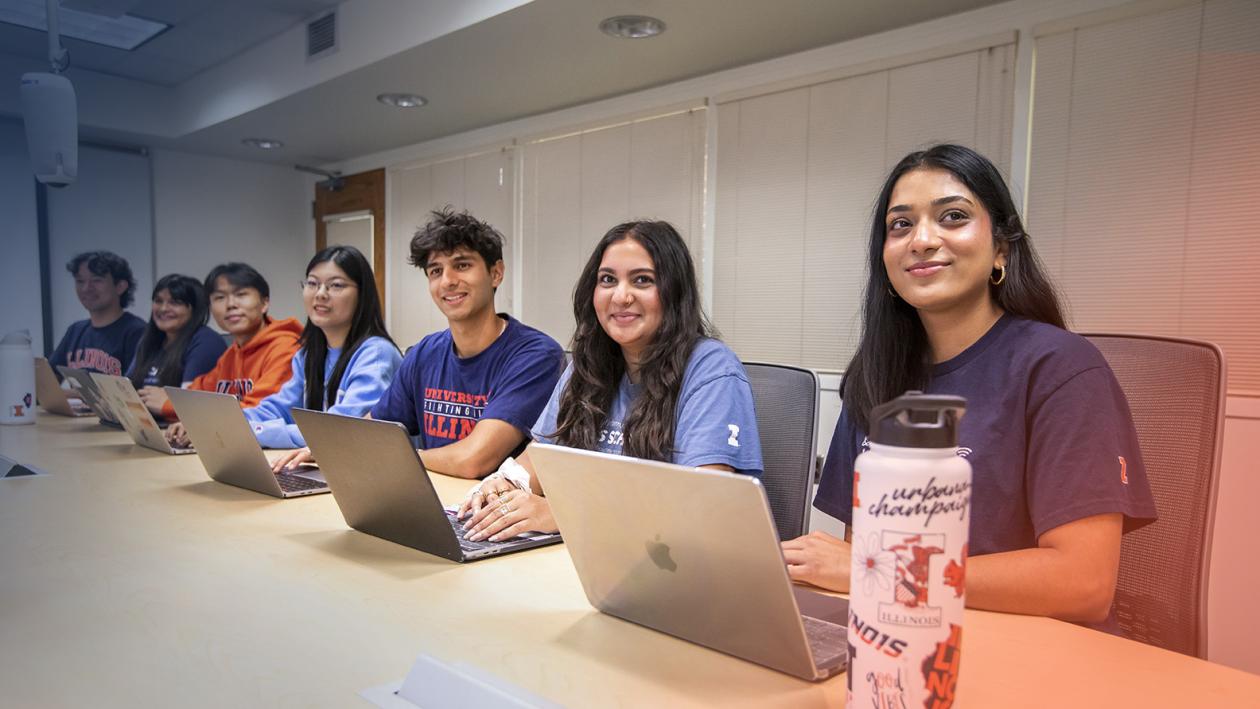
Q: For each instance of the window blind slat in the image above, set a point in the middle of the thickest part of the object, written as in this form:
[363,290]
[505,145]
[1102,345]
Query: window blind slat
[579,186]
[1141,157]
[1221,290]
[797,176]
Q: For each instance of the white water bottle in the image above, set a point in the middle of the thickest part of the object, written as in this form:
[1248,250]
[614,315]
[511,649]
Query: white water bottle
[17,379]
[911,508]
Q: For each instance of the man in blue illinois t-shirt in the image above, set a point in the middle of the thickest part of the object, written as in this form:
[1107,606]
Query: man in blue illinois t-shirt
[107,340]
[470,392]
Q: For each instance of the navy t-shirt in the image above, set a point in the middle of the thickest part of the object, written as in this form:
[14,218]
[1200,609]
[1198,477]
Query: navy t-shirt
[1047,432]
[107,350]
[440,397]
[200,355]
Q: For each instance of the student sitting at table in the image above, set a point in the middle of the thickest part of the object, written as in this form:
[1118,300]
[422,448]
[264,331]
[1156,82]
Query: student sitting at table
[957,303]
[647,380]
[107,340]
[259,360]
[470,392]
[347,358]
[176,347]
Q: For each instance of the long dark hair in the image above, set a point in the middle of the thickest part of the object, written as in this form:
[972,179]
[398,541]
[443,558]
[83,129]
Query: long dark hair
[893,355]
[598,364]
[153,350]
[367,322]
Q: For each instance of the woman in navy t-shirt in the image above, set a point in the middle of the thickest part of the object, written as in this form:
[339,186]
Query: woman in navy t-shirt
[647,379]
[176,346]
[957,303]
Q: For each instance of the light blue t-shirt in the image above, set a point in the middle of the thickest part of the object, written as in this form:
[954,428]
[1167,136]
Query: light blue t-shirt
[367,375]
[714,422]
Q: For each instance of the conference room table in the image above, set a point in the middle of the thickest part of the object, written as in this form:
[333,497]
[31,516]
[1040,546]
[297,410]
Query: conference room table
[128,578]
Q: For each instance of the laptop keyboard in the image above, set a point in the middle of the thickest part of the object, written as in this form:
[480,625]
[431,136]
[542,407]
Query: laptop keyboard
[828,642]
[297,483]
[458,525]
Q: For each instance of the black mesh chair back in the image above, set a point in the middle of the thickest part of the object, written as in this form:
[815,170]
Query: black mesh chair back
[787,419]
[1176,392]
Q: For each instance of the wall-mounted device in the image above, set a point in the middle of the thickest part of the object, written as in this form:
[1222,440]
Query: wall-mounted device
[50,112]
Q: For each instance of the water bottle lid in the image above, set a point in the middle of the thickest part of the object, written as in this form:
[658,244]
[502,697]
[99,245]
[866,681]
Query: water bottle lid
[918,420]
[17,337]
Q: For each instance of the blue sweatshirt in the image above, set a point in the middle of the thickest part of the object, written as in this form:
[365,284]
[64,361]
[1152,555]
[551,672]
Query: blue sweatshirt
[367,376]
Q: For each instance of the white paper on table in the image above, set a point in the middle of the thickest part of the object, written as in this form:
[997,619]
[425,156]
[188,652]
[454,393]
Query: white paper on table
[433,684]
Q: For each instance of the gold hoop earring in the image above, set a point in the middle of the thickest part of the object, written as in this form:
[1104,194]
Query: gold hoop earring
[1000,279]
[891,292]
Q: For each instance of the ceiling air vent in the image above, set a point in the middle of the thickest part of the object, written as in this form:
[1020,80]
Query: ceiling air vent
[321,35]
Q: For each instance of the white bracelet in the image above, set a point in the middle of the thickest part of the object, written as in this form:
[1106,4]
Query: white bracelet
[514,473]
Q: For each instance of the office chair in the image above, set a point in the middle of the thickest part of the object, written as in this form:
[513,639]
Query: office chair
[1176,393]
[786,399]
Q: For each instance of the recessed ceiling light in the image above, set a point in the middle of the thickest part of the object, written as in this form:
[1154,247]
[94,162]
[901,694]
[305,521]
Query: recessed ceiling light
[402,100]
[263,143]
[632,26]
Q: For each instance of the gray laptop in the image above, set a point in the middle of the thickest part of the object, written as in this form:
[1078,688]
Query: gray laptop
[135,417]
[692,553]
[230,452]
[82,383]
[383,489]
[52,397]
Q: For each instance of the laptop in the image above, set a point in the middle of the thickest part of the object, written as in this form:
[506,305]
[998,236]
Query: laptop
[136,420]
[82,383]
[52,397]
[230,452]
[383,489]
[692,553]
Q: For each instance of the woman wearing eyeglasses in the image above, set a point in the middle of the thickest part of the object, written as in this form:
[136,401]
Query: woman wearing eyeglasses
[347,358]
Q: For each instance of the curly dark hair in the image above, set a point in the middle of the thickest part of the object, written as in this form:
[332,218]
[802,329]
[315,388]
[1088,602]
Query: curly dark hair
[107,263]
[598,363]
[449,230]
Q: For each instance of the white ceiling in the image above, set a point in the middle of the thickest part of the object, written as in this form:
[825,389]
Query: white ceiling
[203,34]
[479,62]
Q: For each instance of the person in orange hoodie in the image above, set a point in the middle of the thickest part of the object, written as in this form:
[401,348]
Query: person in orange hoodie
[259,361]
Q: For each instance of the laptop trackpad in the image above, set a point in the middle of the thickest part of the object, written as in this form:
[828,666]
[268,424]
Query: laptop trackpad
[832,609]
[309,472]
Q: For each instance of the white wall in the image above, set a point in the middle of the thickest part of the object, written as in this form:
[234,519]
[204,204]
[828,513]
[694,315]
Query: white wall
[19,269]
[209,210]
[108,207]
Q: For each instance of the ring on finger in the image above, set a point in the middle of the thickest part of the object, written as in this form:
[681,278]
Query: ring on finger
[504,510]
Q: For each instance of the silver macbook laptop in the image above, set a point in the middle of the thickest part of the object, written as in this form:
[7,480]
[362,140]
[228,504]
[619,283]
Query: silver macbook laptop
[230,452]
[383,489]
[692,553]
[82,383]
[133,414]
[52,397]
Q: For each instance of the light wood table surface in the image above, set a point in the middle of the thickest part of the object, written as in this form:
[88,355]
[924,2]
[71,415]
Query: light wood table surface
[128,578]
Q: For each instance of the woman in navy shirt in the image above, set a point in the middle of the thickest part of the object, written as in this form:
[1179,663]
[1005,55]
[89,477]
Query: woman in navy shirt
[957,303]
[176,346]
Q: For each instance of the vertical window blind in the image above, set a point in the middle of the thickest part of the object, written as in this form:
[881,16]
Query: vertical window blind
[797,175]
[481,183]
[576,187]
[1144,167]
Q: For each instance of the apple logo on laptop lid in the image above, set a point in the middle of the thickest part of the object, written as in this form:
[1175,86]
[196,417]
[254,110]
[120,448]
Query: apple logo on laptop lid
[658,552]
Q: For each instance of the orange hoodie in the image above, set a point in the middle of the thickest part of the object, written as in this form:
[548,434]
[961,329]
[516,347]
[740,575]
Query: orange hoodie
[253,372]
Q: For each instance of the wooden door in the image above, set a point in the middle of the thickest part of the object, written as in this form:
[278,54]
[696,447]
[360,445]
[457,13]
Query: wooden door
[363,193]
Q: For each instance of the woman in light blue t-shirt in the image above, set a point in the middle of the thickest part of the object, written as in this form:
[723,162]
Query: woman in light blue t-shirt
[347,358]
[647,380]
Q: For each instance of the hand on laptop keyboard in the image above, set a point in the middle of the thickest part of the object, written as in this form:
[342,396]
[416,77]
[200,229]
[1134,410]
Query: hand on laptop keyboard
[293,459]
